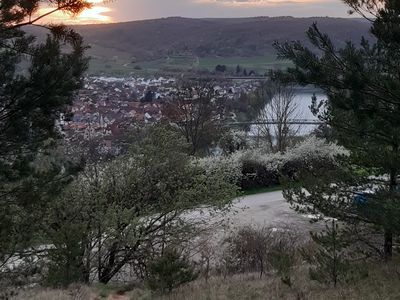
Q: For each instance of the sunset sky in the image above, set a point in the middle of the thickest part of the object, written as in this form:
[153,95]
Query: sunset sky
[128,10]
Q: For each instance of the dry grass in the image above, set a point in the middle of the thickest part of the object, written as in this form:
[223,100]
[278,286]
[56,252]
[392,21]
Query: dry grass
[74,292]
[382,282]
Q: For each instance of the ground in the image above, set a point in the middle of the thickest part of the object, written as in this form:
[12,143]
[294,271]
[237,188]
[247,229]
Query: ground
[269,209]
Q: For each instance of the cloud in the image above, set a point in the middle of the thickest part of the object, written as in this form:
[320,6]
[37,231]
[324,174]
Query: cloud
[96,14]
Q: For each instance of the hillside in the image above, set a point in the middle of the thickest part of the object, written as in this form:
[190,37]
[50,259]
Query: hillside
[203,43]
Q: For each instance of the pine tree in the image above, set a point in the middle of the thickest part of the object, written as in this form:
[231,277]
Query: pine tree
[330,263]
[362,84]
[37,83]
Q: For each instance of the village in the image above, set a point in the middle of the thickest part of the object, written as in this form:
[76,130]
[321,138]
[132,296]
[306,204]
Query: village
[106,106]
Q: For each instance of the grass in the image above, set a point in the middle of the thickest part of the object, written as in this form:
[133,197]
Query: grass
[123,65]
[381,281]
[258,63]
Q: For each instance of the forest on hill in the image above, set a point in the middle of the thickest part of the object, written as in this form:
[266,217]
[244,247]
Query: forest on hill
[201,44]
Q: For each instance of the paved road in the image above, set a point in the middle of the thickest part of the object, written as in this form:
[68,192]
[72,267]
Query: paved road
[266,209]
[269,209]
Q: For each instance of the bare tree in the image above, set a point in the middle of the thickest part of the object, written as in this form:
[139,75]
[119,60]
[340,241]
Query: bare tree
[275,117]
[196,109]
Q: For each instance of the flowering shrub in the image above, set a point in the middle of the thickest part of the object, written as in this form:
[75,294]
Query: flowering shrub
[255,168]
[225,166]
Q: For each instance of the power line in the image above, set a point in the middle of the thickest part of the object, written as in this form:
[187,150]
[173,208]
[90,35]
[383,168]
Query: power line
[275,122]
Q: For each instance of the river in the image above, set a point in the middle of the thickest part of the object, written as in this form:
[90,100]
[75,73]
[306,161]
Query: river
[303,99]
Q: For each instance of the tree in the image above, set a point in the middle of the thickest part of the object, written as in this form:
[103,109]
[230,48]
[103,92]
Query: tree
[220,68]
[275,117]
[124,212]
[37,83]
[170,271]
[362,84]
[233,140]
[197,110]
[330,261]
[148,97]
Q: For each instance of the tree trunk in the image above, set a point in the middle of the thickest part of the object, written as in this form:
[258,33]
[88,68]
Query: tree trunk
[388,245]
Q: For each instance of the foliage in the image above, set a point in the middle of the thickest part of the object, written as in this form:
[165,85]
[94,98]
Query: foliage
[169,271]
[259,249]
[233,140]
[330,260]
[255,168]
[126,210]
[248,249]
[37,82]
[283,255]
[220,68]
[362,83]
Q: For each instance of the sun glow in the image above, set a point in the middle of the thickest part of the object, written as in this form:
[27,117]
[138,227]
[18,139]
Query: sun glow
[96,14]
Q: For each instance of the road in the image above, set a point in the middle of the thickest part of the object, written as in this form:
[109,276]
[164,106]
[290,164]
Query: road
[269,209]
[266,209]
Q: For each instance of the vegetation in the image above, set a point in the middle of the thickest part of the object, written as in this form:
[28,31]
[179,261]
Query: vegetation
[169,271]
[330,258]
[128,210]
[197,110]
[280,107]
[74,216]
[282,261]
[30,103]
[362,85]
[118,48]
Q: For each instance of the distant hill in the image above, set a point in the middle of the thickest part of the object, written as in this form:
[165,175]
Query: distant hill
[153,39]
[152,43]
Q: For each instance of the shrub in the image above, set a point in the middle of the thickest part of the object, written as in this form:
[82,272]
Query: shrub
[283,254]
[170,271]
[257,249]
[259,168]
[247,250]
[256,175]
[233,140]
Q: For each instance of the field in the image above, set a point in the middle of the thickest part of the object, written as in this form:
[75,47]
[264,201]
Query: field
[258,64]
[123,65]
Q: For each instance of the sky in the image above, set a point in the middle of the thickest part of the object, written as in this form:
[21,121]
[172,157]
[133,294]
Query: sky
[129,10]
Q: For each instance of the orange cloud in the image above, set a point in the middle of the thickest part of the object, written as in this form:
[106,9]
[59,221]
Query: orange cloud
[96,14]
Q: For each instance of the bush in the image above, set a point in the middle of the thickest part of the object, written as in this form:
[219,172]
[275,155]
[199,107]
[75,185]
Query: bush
[170,271]
[259,169]
[247,250]
[233,140]
[257,249]
[257,175]
[283,254]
